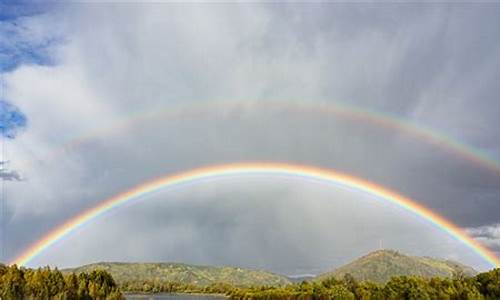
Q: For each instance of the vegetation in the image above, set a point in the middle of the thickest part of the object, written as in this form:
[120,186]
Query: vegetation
[381,266]
[133,273]
[155,287]
[484,286]
[44,283]
[96,281]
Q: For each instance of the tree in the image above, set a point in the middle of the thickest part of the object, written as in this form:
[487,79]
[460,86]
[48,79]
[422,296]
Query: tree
[13,283]
[489,284]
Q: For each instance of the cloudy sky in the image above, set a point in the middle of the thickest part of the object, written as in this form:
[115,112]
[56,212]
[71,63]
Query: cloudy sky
[118,94]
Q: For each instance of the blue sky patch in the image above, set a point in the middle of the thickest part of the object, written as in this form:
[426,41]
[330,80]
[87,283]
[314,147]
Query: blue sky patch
[19,42]
[12,120]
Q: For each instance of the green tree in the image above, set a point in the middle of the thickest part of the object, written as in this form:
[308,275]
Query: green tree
[489,284]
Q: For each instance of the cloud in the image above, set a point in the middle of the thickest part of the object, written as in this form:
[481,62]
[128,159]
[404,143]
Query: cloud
[488,235]
[10,175]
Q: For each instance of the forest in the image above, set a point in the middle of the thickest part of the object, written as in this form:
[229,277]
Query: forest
[46,283]
[482,286]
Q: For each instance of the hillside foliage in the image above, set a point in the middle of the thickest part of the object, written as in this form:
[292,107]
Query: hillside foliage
[130,273]
[380,266]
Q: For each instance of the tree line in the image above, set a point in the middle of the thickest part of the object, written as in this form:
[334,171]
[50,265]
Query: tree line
[46,283]
[484,286]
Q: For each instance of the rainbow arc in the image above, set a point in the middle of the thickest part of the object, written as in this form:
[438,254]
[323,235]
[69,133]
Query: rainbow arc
[243,169]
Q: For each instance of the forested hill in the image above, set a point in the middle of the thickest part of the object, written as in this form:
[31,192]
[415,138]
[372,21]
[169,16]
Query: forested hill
[184,273]
[380,266]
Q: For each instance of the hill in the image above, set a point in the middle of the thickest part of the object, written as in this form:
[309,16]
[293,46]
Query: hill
[184,273]
[380,266]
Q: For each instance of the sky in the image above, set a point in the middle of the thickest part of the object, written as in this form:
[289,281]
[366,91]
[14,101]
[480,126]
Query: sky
[120,93]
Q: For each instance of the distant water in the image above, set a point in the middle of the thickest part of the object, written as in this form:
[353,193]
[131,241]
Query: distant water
[172,297]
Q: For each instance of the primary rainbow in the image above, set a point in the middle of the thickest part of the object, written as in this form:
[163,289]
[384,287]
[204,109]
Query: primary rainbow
[239,169]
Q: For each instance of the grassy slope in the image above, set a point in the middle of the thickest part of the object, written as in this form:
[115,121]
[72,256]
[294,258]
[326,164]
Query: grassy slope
[184,273]
[380,266]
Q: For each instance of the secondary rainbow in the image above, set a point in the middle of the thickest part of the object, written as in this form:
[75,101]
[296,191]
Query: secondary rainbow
[341,109]
[245,169]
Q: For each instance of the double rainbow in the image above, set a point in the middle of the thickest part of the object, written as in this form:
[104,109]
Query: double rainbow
[244,169]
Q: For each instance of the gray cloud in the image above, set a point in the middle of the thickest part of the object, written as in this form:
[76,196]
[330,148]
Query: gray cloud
[488,235]
[10,175]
